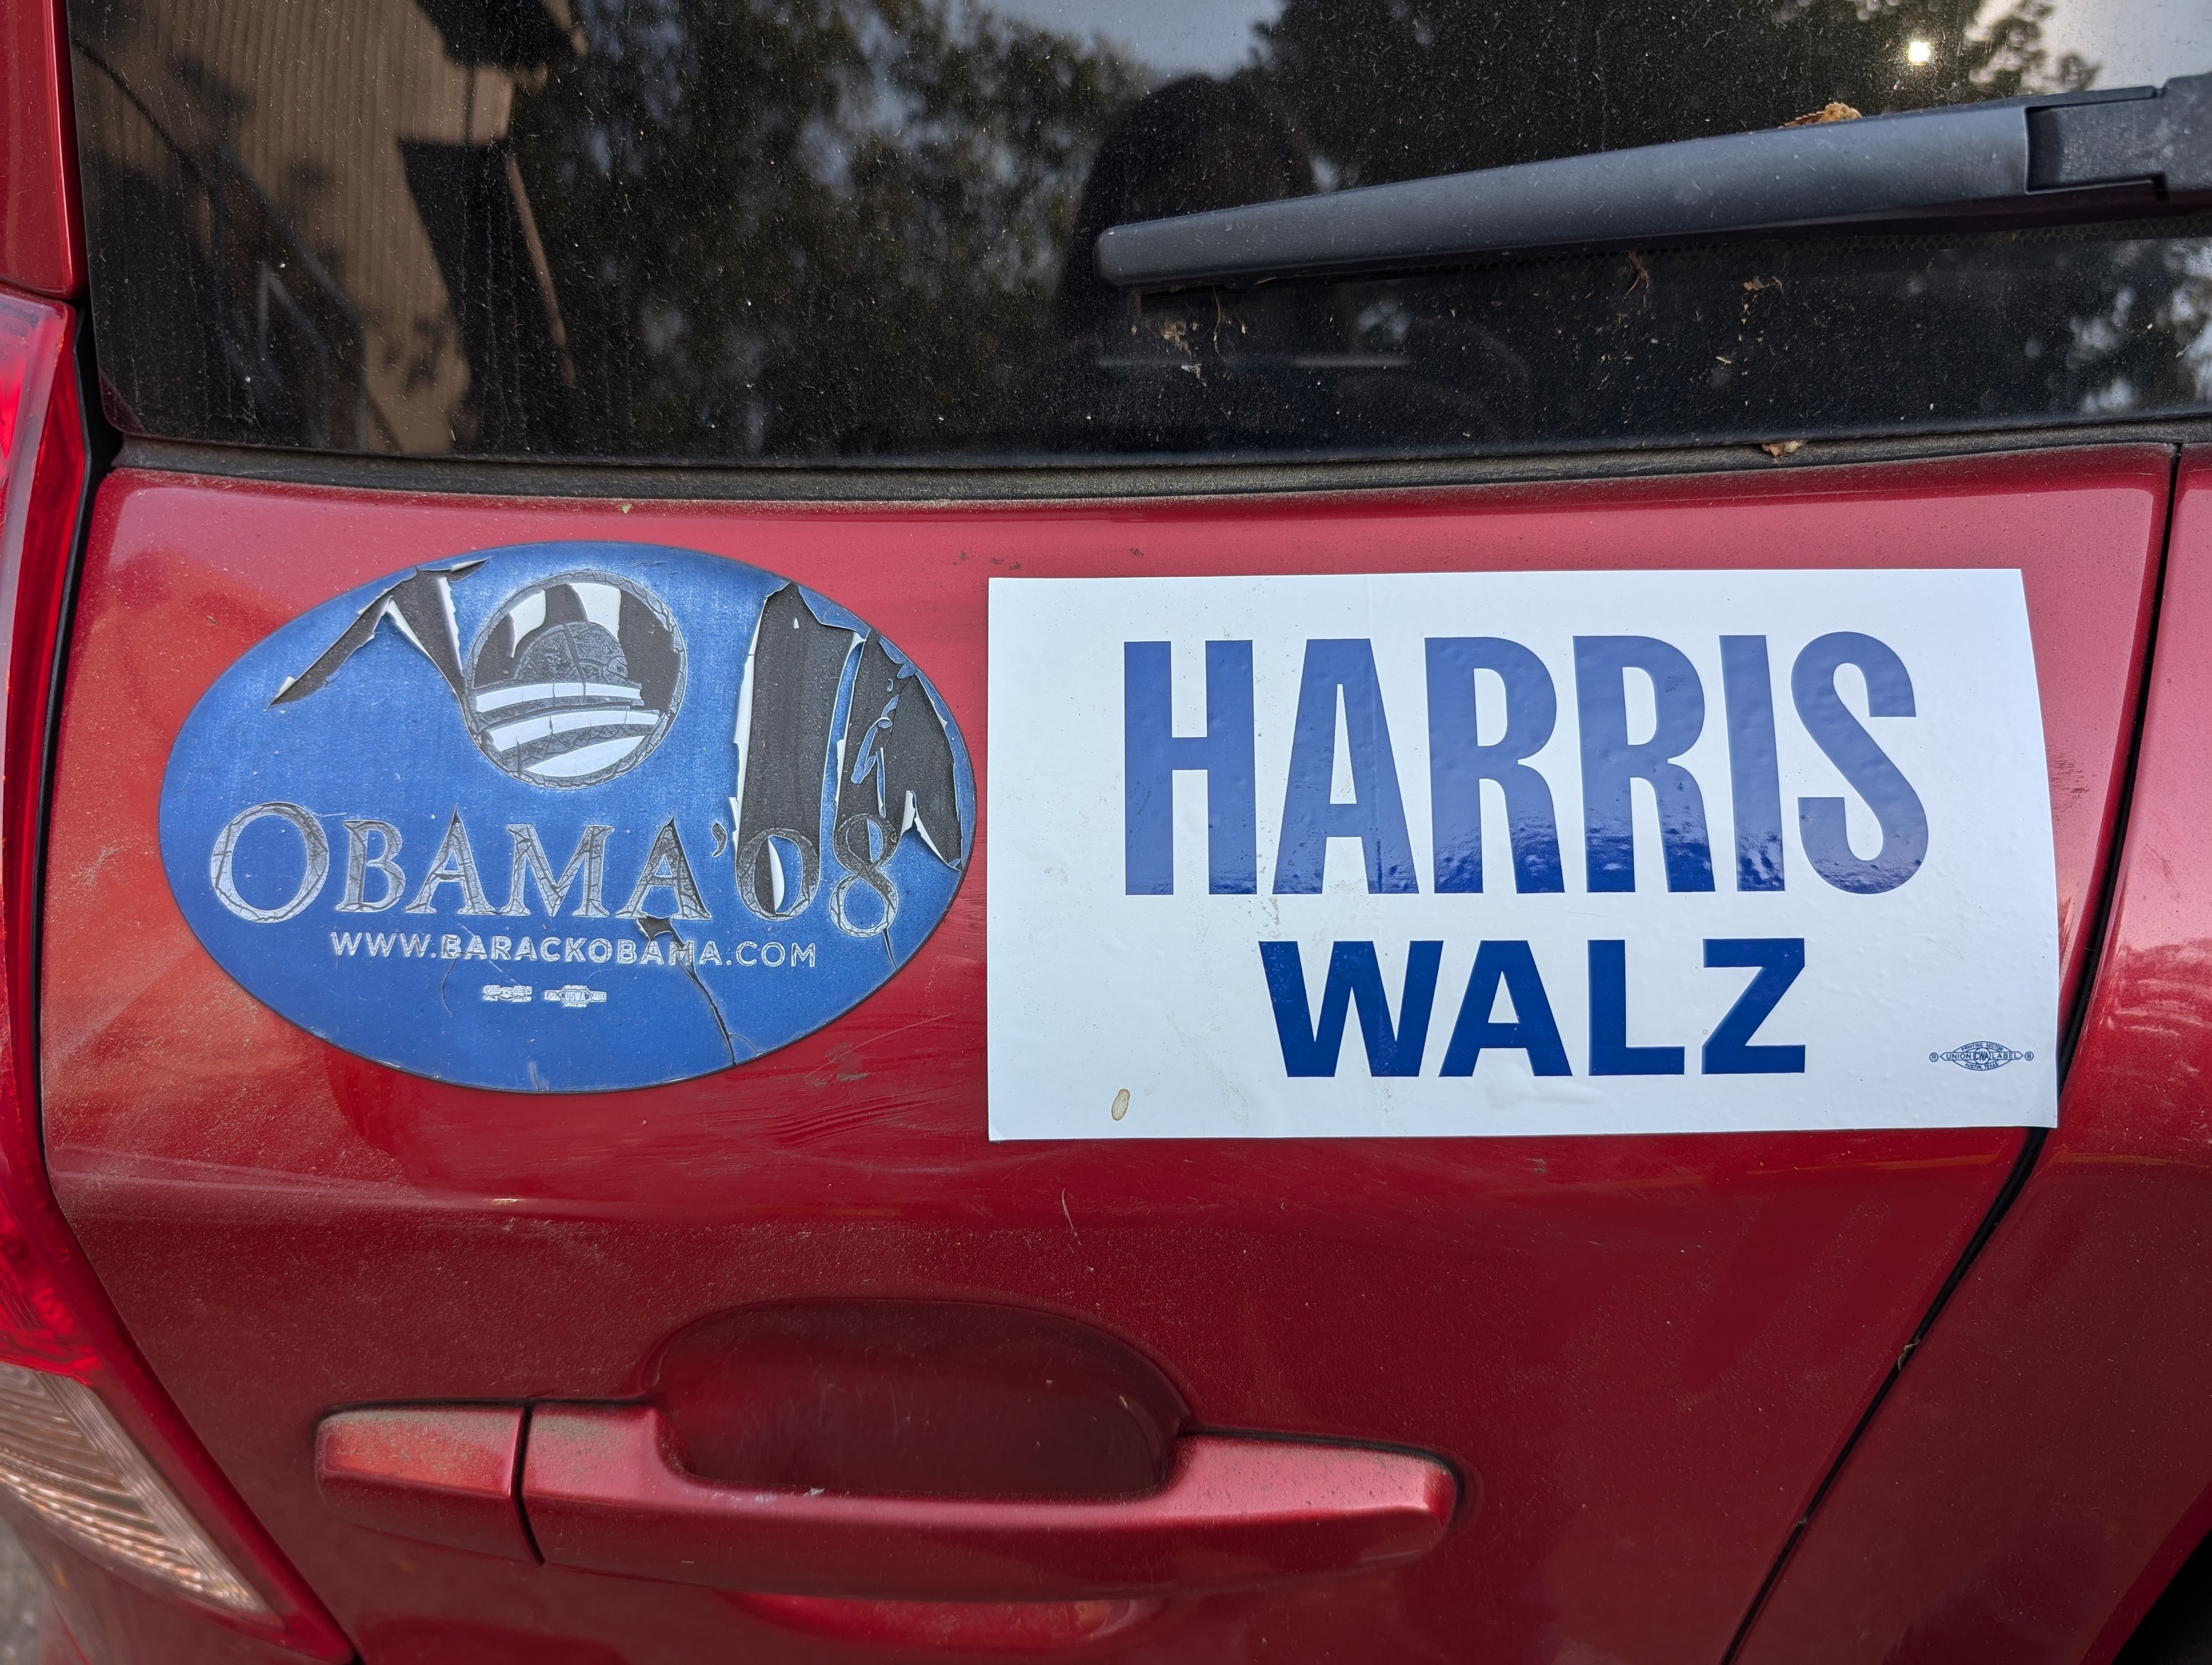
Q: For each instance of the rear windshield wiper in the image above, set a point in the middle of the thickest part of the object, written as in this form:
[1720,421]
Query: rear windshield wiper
[2071,156]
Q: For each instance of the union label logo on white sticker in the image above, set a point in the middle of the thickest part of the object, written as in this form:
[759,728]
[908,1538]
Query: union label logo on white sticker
[1518,853]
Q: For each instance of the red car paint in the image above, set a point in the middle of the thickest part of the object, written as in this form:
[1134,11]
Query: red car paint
[42,228]
[2046,1463]
[1645,1353]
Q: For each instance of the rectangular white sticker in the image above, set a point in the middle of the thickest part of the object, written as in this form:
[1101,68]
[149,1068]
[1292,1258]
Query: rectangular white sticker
[1518,853]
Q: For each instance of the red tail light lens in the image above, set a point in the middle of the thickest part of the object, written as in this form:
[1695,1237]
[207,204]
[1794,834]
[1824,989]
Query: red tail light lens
[41,483]
[90,1449]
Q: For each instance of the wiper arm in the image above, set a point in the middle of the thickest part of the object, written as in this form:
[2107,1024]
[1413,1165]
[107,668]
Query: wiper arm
[2069,156]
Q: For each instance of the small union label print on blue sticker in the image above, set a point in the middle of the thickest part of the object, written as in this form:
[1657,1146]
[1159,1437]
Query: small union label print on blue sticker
[568,817]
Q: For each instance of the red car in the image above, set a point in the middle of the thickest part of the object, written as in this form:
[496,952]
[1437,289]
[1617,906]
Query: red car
[1368,830]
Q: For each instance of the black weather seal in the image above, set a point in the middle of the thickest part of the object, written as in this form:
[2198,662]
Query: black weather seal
[2134,152]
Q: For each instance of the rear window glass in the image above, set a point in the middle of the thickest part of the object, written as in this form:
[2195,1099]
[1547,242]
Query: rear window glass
[824,231]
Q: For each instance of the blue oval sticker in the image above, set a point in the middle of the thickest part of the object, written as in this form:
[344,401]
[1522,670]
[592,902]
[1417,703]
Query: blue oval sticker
[568,817]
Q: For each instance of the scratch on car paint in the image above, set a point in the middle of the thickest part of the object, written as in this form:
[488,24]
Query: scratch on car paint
[652,927]
[842,1063]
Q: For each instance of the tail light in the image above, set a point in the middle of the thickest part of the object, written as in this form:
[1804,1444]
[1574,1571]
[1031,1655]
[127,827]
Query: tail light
[70,1463]
[89,1446]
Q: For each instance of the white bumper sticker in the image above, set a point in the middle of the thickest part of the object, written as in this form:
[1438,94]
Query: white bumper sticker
[1518,853]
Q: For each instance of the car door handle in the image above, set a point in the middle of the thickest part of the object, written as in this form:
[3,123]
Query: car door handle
[605,1491]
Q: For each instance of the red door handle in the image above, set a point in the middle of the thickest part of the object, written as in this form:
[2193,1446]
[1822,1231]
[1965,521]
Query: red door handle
[604,1491]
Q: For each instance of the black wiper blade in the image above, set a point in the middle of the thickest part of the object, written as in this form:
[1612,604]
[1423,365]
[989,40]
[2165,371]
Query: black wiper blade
[2070,156]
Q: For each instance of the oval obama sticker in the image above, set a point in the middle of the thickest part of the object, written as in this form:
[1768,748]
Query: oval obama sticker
[568,817]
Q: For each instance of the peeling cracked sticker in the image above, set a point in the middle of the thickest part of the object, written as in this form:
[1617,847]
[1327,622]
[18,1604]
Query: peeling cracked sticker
[679,812]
